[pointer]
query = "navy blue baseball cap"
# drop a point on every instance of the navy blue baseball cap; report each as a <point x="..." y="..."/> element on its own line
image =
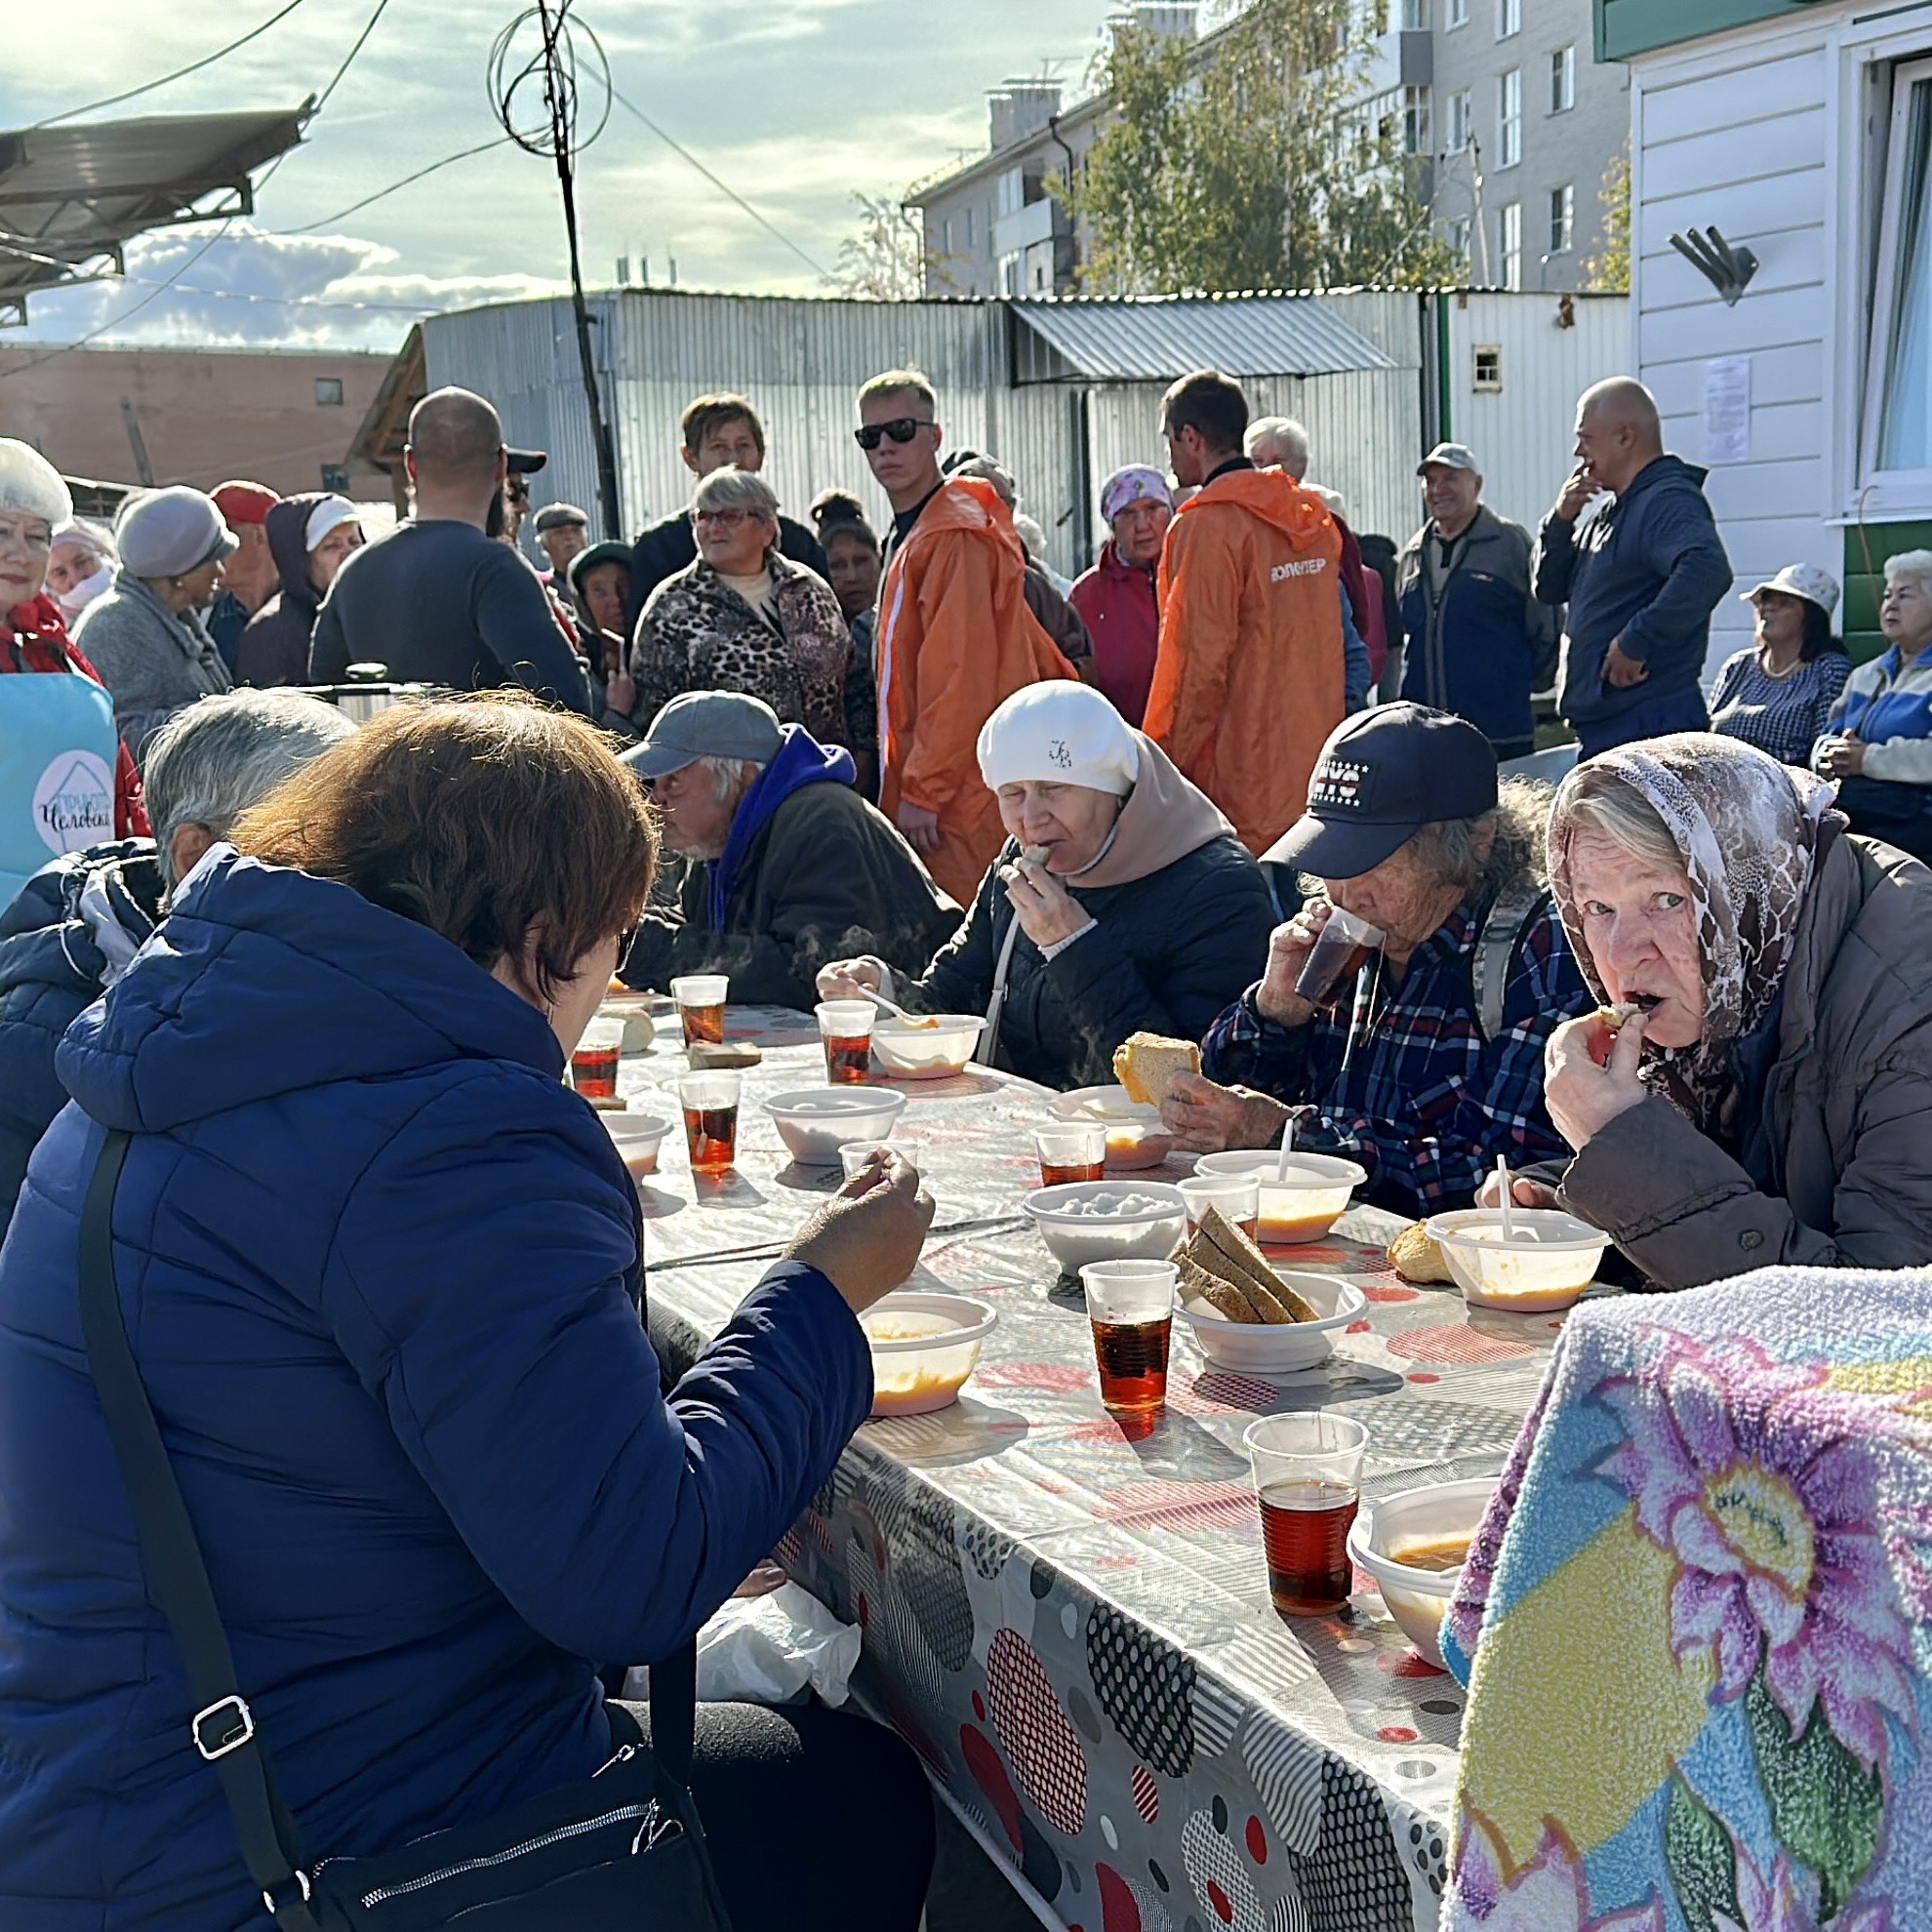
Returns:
<point x="1383" y="775"/>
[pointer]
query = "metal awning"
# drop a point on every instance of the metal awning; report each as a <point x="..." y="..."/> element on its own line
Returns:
<point x="1159" y="339"/>
<point x="70" y="198"/>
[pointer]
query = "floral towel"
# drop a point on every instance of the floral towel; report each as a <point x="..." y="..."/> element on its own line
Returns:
<point x="1697" y="1622"/>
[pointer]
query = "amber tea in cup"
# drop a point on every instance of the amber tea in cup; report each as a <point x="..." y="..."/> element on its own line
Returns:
<point x="710" y="1119"/>
<point x="701" y="1005"/>
<point x="1308" y="1480"/>
<point x="1131" y="1306"/>
<point x="845" y="1025"/>
<point x="593" y="1065"/>
<point x="1073" y="1151"/>
<point x="1341" y="950"/>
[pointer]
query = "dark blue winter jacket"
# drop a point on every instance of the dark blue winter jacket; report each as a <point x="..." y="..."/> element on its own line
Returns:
<point x="1645" y="572"/>
<point x="52" y="967"/>
<point x="379" y="1269"/>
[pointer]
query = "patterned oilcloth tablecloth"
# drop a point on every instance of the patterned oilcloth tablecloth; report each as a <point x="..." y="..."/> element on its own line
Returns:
<point x="1072" y="1629"/>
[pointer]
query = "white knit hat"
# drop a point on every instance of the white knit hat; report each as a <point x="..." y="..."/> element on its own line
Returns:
<point x="29" y="483"/>
<point x="1060" y="733"/>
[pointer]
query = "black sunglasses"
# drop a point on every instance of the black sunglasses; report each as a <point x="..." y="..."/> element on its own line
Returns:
<point x="901" y="429"/>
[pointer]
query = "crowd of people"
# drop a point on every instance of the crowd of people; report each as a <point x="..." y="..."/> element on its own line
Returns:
<point x="315" y="983"/>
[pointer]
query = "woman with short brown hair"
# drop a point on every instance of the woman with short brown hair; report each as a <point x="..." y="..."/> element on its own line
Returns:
<point x="380" y="1269"/>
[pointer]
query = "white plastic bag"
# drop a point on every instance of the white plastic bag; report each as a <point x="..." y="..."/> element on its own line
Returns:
<point x="771" y="1649"/>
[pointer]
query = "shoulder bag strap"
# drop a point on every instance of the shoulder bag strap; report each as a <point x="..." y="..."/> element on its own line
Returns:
<point x="223" y="1729"/>
<point x="1495" y="947"/>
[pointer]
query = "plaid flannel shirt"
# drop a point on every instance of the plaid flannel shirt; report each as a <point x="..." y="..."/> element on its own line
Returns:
<point x="1425" y="1104"/>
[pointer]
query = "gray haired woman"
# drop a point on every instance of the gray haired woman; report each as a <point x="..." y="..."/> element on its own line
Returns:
<point x="145" y="636"/>
<point x="1768" y="1097"/>
<point x="742" y="617"/>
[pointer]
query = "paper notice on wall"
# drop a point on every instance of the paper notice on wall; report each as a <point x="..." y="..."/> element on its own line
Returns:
<point x="1727" y="410"/>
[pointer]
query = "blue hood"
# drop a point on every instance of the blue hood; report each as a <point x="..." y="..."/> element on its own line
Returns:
<point x="264" y="982"/>
<point x="801" y="761"/>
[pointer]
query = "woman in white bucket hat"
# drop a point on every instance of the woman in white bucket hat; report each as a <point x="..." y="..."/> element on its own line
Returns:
<point x="1778" y="693"/>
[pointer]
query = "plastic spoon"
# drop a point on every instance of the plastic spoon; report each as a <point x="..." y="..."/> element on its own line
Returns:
<point x="1504" y="1191"/>
<point x="1287" y="1147"/>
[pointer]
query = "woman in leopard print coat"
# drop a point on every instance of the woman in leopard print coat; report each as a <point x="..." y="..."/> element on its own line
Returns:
<point x="744" y="617"/>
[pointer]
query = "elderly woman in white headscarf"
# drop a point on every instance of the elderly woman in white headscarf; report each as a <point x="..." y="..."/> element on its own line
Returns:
<point x="1759" y="1086"/>
<point x="80" y="567"/>
<point x="147" y="635"/>
<point x="1123" y="902"/>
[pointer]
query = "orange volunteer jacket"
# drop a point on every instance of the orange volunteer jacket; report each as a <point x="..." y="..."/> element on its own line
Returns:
<point x="1248" y="680"/>
<point x="954" y="640"/>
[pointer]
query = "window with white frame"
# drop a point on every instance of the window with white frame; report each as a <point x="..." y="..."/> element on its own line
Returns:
<point x="945" y="237"/>
<point x="1562" y="80"/>
<point x="1460" y="122"/>
<point x="1898" y="403"/>
<point x="1011" y="192"/>
<point x="1415" y="15"/>
<point x="1456" y="236"/>
<point x="970" y="242"/>
<point x="1416" y="136"/>
<point x="1510" y="244"/>
<point x="1510" y="118"/>
<point x="1562" y="218"/>
<point x="1456" y="13"/>
<point x="1508" y="17"/>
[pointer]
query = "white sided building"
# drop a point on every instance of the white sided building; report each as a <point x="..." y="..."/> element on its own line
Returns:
<point x="1801" y="133"/>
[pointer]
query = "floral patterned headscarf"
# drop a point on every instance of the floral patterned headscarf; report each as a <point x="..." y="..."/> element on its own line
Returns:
<point x="1746" y="828"/>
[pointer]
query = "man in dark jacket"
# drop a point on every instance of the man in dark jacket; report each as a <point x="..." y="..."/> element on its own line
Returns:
<point x="437" y="600"/>
<point x="791" y="868"/>
<point x="1640" y="580"/>
<point x="718" y="432"/>
<point x="1478" y="642"/>
<point x="78" y="923"/>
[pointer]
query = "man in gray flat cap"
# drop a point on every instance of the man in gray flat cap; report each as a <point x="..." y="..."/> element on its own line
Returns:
<point x="145" y="636"/>
<point x="788" y="868"/>
<point x="562" y="532"/>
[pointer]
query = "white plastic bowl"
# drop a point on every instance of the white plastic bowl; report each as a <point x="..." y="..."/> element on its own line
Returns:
<point x="1076" y="1239"/>
<point x="1548" y="1265"/>
<point x="1417" y="1599"/>
<point x="923" y="1346"/>
<point x="1302" y="1206"/>
<point x="925" y="1053"/>
<point x="815" y="1122"/>
<point x="638" y="1136"/>
<point x="1135" y="1135"/>
<point x="1268" y="1348"/>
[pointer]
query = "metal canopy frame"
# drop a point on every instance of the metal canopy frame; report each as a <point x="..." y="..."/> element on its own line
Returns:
<point x="72" y="197"/>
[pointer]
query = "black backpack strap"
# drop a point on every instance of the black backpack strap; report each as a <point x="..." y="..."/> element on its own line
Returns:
<point x="223" y="1729"/>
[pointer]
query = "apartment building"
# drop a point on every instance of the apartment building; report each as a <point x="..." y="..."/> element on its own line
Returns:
<point x="1520" y="124"/>
<point x="1518" y="120"/>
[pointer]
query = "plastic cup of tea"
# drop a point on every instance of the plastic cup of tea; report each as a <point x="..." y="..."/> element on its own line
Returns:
<point x="845" y="1025"/>
<point x="1072" y="1151"/>
<point x="1341" y="950"/>
<point x="701" y="1005"/>
<point x="593" y="1063"/>
<point x="710" y="1102"/>
<point x="1307" y="1471"/>
<point x="1131" y="1306"/>
<point x="1237" y="1195"/>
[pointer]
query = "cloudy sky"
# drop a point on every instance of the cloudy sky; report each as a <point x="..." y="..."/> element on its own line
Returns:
<point x="795" y="104"/>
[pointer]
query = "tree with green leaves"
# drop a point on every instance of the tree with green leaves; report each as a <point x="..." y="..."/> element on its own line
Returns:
<point x="1250" y="160"/>
<point x="1610" y="271"/>
<point x="884" y="258"/>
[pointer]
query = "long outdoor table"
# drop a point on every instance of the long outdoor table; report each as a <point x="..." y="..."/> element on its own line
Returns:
<point x="1072" y="1629"/>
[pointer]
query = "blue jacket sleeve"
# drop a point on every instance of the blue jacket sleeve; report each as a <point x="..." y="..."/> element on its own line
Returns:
<point x="1555" y="560"/>
<point x="513" y="619"/>
<point x="476" y="1285"/>
<point x="1682" y="545"/>
<point x="1355" y="673"/>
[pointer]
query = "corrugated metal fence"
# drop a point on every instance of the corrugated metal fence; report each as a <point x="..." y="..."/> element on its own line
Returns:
<point x="802" y="360"/>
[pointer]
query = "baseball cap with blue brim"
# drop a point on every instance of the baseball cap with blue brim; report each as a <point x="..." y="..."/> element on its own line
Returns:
<point x="707" y="724"/>
<point x="1383" y="775"/>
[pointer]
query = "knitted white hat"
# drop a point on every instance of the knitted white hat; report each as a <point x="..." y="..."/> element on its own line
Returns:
<point x="28" y="482"/>
<point x="1060" y="733"/>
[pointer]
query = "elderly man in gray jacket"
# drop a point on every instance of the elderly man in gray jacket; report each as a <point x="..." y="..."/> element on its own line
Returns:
<point x="145" y="636"/>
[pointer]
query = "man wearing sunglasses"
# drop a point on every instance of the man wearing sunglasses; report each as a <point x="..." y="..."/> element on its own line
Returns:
<point x="953" y="638"/>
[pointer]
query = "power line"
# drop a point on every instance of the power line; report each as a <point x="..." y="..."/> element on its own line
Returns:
<point x="368" y="200"/>
<point x="723" y="187"/>
<point x="180" y="73"/>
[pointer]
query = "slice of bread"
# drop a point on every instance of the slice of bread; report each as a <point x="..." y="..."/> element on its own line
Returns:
<point x="1147" y="1062"/>
<point x="1222" y="1297"/>
<point x="1417" y="1257"/>
<point x="1219" y="1248"/>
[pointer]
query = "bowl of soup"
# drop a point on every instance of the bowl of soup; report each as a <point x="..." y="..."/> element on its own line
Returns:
<point x="924" y="1347"/>
<point x="1414" y="1545"/>
<point x="1299" y="1203"/>
<point x="1135" y="1135"/>
<point x="1542" y="1265"/>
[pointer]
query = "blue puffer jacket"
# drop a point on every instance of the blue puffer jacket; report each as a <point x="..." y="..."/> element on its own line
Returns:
<point x="52" y="967"/>
<point x="379" y="1269"/>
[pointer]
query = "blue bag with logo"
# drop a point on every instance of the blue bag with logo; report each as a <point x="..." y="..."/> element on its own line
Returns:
<point x="57" y="749"/>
